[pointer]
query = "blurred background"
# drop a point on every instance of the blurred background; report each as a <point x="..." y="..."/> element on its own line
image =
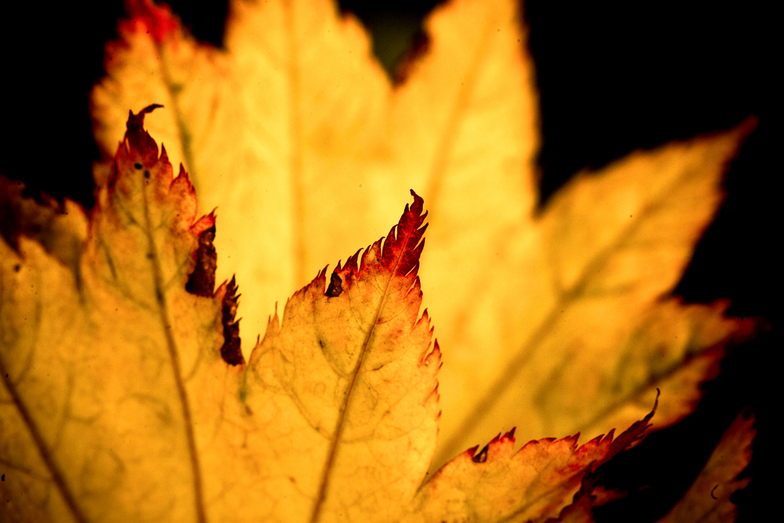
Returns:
<point x="613" y="77"/>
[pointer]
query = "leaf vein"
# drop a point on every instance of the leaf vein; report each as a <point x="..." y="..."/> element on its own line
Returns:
<point x="171" y="345"/>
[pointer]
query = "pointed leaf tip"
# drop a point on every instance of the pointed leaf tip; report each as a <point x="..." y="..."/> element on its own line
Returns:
<point x="139" y="139"/>
<point x="158" y="20"/>
<point x="634" y="433"/>
<point x="403" y="245"/>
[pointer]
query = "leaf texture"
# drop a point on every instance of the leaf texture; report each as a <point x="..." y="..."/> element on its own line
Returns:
<point x="99" y="349"/>
<point x="272" y="135"/>
<point x="598" y="308"/>
<point x="561" y="318"/>
<point x="116" y="379"/>
<point x="356" y="365"/>
<point x="557" y="321"/>
<point x="532" y="484"/>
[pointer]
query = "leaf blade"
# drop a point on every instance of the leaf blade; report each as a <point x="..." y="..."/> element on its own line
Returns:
<point x="358" y="378"/>
<point x="297" y="130"/>
<point x="103" y="352"/>
<point x="534" y="484"/>
<point x="564" y="328"/>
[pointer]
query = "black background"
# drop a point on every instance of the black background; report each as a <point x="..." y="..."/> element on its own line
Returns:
<point x="613" y="77"/>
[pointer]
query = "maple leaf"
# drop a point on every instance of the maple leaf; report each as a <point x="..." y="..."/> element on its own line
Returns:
<point x="521" y="336"/>
<point x="334" y="417"/>
<point x="393" y="147"/>
<point x="144" y="390"/>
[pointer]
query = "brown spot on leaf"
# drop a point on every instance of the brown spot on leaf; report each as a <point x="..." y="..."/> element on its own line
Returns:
<point x="482" y="456"/>
<point x="231" y="351"/>
<point x="335" y="288"/>
<point x="201" y="282"/>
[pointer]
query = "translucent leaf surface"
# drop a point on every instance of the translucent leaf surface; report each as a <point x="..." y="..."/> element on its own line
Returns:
<point x="118" y="379"/>
<point x="100" y="352"/>
<point x="532" y="484"/>
<point x="270" y="131"/>
<point x="554" y="321"/>
<point x="560" y="318"/>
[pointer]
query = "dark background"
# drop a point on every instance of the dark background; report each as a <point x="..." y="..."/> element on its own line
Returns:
<point x="613" y="77"/>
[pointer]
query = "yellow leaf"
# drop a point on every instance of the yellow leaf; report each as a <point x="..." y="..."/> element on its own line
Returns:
<point x="532" y="484"/>
<point x="595" y="334"/>
<point x="343" y="391"/>
<point x="555" y="319"/>
<point x="114" y="382"/>
<point x="272" y="135"/>
<point x="554" y="322"/>
<point x="99" y="352"/>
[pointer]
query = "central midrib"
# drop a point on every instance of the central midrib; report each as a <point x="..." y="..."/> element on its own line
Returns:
<point x="340" y="425"/>
<point x="171" y="346"/>
<point x="448" y="138"/>
<point x="183" y="130"/>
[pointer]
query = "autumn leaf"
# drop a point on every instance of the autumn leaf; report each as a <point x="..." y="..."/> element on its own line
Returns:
<point x="95" y="400"/>
<point x="122" y="370"/>
<point x="556" y="321"/>
<point x="532" y="484"/>
<point x="116" y="377"/>
<point x="521" y="336"/>
<point x="297" y="151"/>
